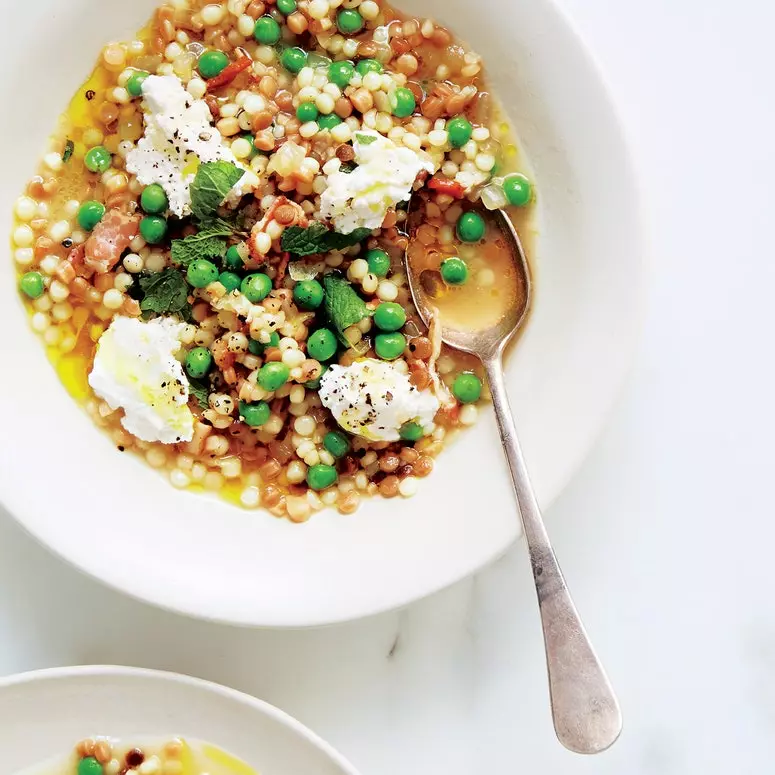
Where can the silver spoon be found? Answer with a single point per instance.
(585, 710)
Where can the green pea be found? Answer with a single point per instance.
(379, 262)
(321, 344)
(212, 63)
(308, 294)
(411, 431)
(390, 346)
(369, 66)
(256, 287)
(134, 84)
(153, 229)
(233, 258)
(259, 348)
(321, 476)
(90, 214)
(389, 316)
(254, 414)
(467, 387)
(307, 112)
(230, 281)
(341, 73)
(198, 362)
(32, 285)
(154, 199)
(201, 273)
(329, 121)
(402, 102)
(286, 7)
(336, 443)
(273, 375)
(518, 190)
(314, 384)
(459, 130)
(267, 31)
(454, 271)
(293, 59)
(470, 227)
(98, 159)
(89, 766)
(349, 21)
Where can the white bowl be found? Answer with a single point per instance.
(119, 521)
(44, 714)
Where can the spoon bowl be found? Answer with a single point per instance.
(585, 710)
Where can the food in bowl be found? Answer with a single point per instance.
(212, 249)
(175, 756)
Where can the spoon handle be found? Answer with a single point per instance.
(585, 711)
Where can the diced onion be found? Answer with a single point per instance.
(493, 197)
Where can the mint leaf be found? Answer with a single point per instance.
(208, 243)
(211, 185)
(318, 238)
(199, 391)
(165, 293)
(343, 305)
(68, 152)
(365, 139)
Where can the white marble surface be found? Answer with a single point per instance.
(665, 535)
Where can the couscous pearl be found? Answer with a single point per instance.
(137, 244)
(358, 269)
(326, 457)
(213, 14)
(325, 103)
(231, 468)
(369, 10)
(310, 129)
(329, 497)
(372, 81)
(241, 148)
(387, 291)
(468, 414)
(43, 210)
(480, 134)
(245, 25)
(122, 282)
(305, 77)
(305, 425)
(60, 231)
(438, 138)
(318, 9)
(133, 263)
(40, 321)
(254, 103)
(43, 304)
(213, 481)
(24, 256)
(49, 264)
(408, 486)
(78, 237)
(58, 291)
(25, 208)
(155, 262)
(62, 312)
(173, 51)
(197, 88)
(71, 208)
(369, 285)
(296, 396)
(52, 336)
(341, 133)
(179, 479)
(53, 161)
(250, 497)
(296, 472)
(23, 236)
(485, 161)
(113, 299)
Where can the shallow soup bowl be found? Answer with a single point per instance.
(118, 520)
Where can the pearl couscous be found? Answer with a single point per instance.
(213, 247)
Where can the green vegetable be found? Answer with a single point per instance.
(267, 31)
(199, 391)
(411, 431)
(365, 139)
(293, 59)
(308, 294)
(254, 414)
(470, 227)
(98, 159)
(273, 375)
(321, 345)
(336, 443)
(459, 130)
(379, 262)
(518, 190)
(211, 185)
(454, 271)
(90, 214)
(329, 121)
(321, 476)
(341, 73)
(233, 258)
(389, 346)
(154, 199)
(307, 112)
(134, 84)
(402, 102)
(256, 287)
(32, 285)
(467, 387)
(89, 766)
(389, 316)
(67, 154)
(198, 362)
(153, 229)
(369, 66)
(349, 21)
(318, 238)
(258, 348)
(212, 63)
(343, 306)
(201, 273)
(286, 7)
(208, 243)
(229, 281)
(165, 293)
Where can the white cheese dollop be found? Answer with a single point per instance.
(383, 178)
(373, 399)
(135, 369)
(178, 136)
